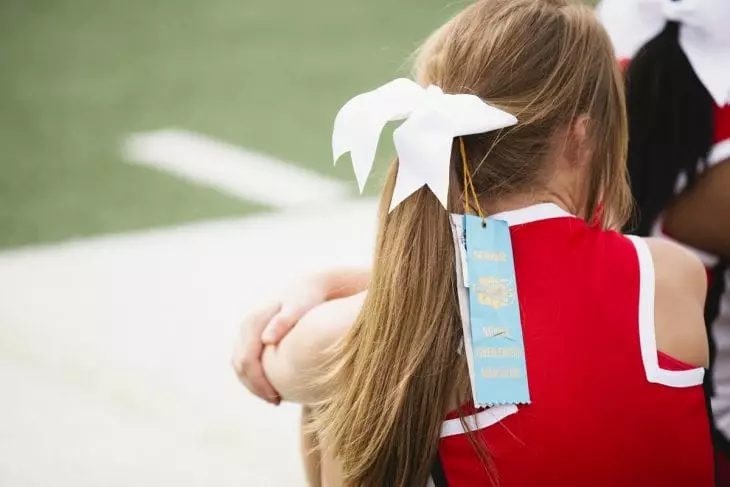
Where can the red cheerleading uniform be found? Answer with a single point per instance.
(607, 408)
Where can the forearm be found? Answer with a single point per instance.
(345, 282)
(701, 216)
(295, 366)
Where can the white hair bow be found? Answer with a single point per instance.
(704, 34)
(423, 142)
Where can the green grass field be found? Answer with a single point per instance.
(78, 76)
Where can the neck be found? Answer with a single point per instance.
(564, 188)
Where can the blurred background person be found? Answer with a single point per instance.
(676, 55)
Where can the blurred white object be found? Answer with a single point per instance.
(704, 34)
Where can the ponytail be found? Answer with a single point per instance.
(394, 374)
(670, 124)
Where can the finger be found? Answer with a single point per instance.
(285, 319)
(277, 328)
(246, 359)
(248, 345)
(256, 389)
(260, 386)
(247, 355)
(257, 321)
(254, 379)
(247, 350)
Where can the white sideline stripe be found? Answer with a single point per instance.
(478, 421)
(232, 170)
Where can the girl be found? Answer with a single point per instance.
(614, 338)
(679, 149)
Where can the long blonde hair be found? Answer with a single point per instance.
(547, 62)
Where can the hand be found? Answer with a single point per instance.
(267, 327)
(298, 301)
(246, 358)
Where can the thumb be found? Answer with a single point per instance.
(281, 324)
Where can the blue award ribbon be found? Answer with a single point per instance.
(500, 371)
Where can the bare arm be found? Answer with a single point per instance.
(272, 322)
(294, 365)
(701, 216)
(343, 283)
(329, 285)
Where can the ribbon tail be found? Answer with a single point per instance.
(406, 183)
(423, 144)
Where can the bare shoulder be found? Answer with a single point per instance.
(679, 302)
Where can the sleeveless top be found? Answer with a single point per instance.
(607, 408)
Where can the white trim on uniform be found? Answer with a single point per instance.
(647, 333)
(719, 152)
(477, 421)
(542, 211)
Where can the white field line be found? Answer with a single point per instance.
(232, 170)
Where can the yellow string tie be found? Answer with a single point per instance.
(469, 184)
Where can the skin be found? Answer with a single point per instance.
(268, 325)
(249, 347)
(700, 217)
(679, 302)
(297, 361)
(311, 456)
